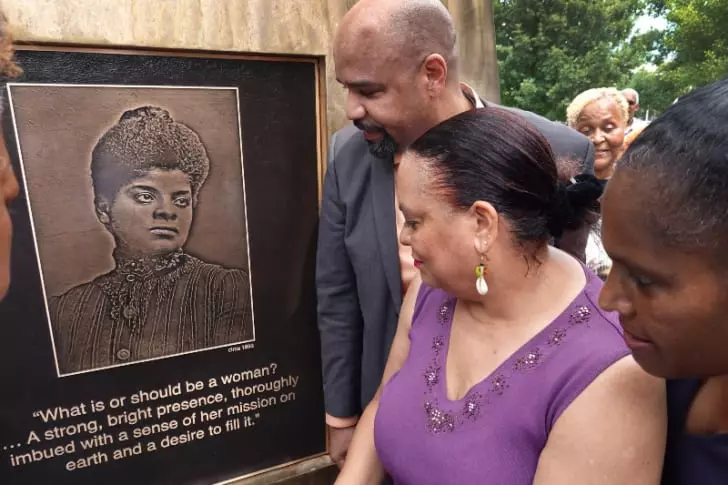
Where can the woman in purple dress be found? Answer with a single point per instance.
(503, 370)
(666, 228)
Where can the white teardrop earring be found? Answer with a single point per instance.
(481, 286)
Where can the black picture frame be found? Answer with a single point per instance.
(281, 130)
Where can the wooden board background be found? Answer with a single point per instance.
(299, 27)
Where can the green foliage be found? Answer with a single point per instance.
(698, 35)
(657, 91)
(693, 52)
(551, 50)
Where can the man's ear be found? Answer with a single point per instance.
(103, 208)
(435, 69)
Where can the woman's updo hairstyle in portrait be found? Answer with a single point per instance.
(493, 155)
(145, 139)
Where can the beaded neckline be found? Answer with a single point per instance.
(149, 266)
(455, 413)
(135, 283)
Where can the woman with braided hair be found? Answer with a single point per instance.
(147, 171)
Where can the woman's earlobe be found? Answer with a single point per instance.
(480, 244)
(102, 211)
(486, 219)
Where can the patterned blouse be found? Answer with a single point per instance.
(496, 432)
(145, 309)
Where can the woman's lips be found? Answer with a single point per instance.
(418, 263)
(636, 343)
(164, 231)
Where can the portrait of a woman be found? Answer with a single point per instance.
(146, 172)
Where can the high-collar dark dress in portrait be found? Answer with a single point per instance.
(144, 309)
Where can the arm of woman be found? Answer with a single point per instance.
(613, 433)
(362, 466)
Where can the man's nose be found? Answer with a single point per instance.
(354, 109)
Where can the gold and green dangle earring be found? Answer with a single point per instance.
(480, 284)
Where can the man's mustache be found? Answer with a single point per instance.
(370, 127)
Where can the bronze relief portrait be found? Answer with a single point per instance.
(137, 198)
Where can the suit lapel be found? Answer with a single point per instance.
(386, 224)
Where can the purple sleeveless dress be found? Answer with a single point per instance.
(495, 434)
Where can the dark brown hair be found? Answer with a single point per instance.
(493, 155)
(681, 159)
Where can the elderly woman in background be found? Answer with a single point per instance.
(666, 228)
(601, 114)
(9, 188)
(147, 172)
(503, 370)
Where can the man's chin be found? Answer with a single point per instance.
(384, 148)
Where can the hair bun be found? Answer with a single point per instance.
(574, 201)
(146, 112)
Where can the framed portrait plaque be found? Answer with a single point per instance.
(161, 322)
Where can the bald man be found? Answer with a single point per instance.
(633, 123)
(398, 60)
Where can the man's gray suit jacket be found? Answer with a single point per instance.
(358, 269)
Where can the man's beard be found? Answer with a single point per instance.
(384, 148)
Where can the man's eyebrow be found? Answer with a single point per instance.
(361, 84)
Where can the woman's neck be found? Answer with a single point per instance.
(141, 264)
(526, 289)
(605, 173)
(708, 413)
(123, 252)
